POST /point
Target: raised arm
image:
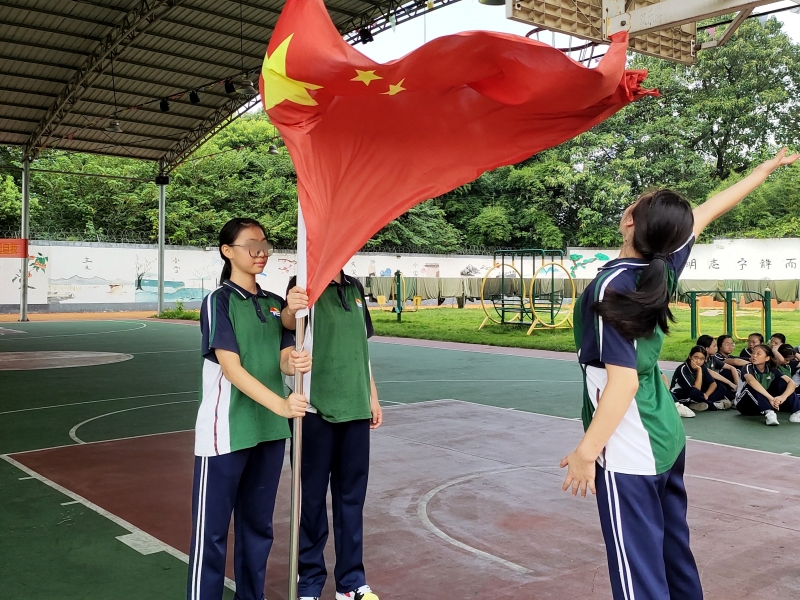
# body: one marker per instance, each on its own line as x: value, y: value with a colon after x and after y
x: 718, y: 205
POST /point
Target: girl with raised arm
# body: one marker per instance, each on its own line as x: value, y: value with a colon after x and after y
x: 632, y: 454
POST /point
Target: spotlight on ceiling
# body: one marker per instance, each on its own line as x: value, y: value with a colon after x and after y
x: 246, y: 88
x: 194, y: 97
x: 366, y: 35
x: 113, y: 126
x: 164, y: 105
x: 229, y: 87
x: 273, y: 149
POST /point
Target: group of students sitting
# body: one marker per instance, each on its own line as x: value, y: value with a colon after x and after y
x: 762, y: 380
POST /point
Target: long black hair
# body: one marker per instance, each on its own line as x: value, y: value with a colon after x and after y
x: 662, y: 222
x: 227, y: 236
x: 696, y: 350
x: 705, y: 341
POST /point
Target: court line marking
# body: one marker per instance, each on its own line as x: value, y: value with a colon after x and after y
x: 70, y: 502
x: 747, y: 449
x: 479, y: 381
x: 139, y: 534
x: 41, y: 337
x: 422, y: 513
x: 752, y: 487
x: 574, y: 358
x: 73, y: 431
x: 18, y: 410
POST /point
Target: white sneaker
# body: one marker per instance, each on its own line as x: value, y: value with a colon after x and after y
x: 684, y: 410
x: 309, y: 598
x: 795, y: 417
x: 772, y: 418
x: 362, y: 593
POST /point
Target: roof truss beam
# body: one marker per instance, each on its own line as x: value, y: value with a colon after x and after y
x: 134, y: 24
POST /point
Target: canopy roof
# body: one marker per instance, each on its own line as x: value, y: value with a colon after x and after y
x: 57, y: 59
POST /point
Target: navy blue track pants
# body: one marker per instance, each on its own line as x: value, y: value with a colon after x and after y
x: 244, y: 483
x: 335, y: 454
x: 753, y: 403
x: 643, y: 518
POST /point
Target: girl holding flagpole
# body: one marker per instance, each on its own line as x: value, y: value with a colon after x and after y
x: 343, y: 408
x: 632, y: 454
x: 242, y: 427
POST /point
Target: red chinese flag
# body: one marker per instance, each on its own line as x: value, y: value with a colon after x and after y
x: 371, y: 140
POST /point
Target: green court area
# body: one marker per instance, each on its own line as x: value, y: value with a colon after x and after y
x: 54, y: 546
x: 456, y: 325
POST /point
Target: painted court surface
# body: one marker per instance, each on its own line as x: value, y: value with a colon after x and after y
x: 464, y: 497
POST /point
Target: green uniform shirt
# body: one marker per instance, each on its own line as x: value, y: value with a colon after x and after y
x: 248, y: 324
x: 650, y: 437
x: 340, y: 378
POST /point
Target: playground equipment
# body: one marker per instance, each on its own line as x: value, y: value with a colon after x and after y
x: 541, y: 309
x: 730, y: 311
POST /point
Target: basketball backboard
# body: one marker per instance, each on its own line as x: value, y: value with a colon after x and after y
x: 663, y: 28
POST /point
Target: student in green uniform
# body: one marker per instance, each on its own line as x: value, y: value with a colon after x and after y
x: 343, y: 408
x: 632, y: 455
x: 767, y: 390
x: 242, y: 427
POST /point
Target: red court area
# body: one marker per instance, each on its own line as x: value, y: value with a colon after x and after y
x: 465, y: 502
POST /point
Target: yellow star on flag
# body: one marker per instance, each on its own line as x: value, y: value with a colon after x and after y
x: 395, y: 89
x: 366, y: 77
x: 278, y: 86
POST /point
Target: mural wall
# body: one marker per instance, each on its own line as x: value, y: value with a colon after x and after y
x: 92, y: 273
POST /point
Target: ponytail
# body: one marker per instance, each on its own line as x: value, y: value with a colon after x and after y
x: 662, y: 222
x: 227, y: 236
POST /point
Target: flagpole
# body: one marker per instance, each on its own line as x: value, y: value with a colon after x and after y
x: 297, y: 453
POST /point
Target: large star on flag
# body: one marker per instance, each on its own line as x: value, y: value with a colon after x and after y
x: 278, y: 86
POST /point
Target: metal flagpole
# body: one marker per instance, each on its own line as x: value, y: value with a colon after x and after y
x: 297, y: 453
x: 162, y: 181
x: 25, y: 233
x: 297, y: 424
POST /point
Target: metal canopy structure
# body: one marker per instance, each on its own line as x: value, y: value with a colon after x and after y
x: 145, y: 79
x: 62, y: 62
x: 663, y: 28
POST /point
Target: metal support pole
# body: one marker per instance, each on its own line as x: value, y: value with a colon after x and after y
x: 296, y: 459
x: 398, y: 292
x: 25, y: 233
x: 162, y: 181
x: 693, y: 308
x: 767, y: 314
x: 729, y: 312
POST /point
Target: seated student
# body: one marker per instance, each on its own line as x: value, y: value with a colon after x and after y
x: 753, y: 340
x: 766, y: 390
x: 790, y: 363
x: 683, y: 410
x: 692, y: 383
x: 725, y: 346
x: 725, y: 376
x: 775, y: 341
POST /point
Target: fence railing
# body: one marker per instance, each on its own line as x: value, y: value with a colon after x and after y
x: 142, y: 237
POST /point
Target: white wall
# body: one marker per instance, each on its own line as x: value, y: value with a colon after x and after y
x: 107, y: 273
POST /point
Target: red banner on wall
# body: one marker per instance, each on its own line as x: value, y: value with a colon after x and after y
x: 13, y: 248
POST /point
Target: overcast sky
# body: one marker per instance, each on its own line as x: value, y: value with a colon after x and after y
x: 469, y: 15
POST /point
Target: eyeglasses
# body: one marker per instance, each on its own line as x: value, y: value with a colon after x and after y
x: 256, y: 248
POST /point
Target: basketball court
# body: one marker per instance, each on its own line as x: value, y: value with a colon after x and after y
x: 464, y: 495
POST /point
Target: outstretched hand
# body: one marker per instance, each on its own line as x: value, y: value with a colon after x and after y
x: 781, y: 159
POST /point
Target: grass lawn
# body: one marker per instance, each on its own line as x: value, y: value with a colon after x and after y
x: 454, y: 325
